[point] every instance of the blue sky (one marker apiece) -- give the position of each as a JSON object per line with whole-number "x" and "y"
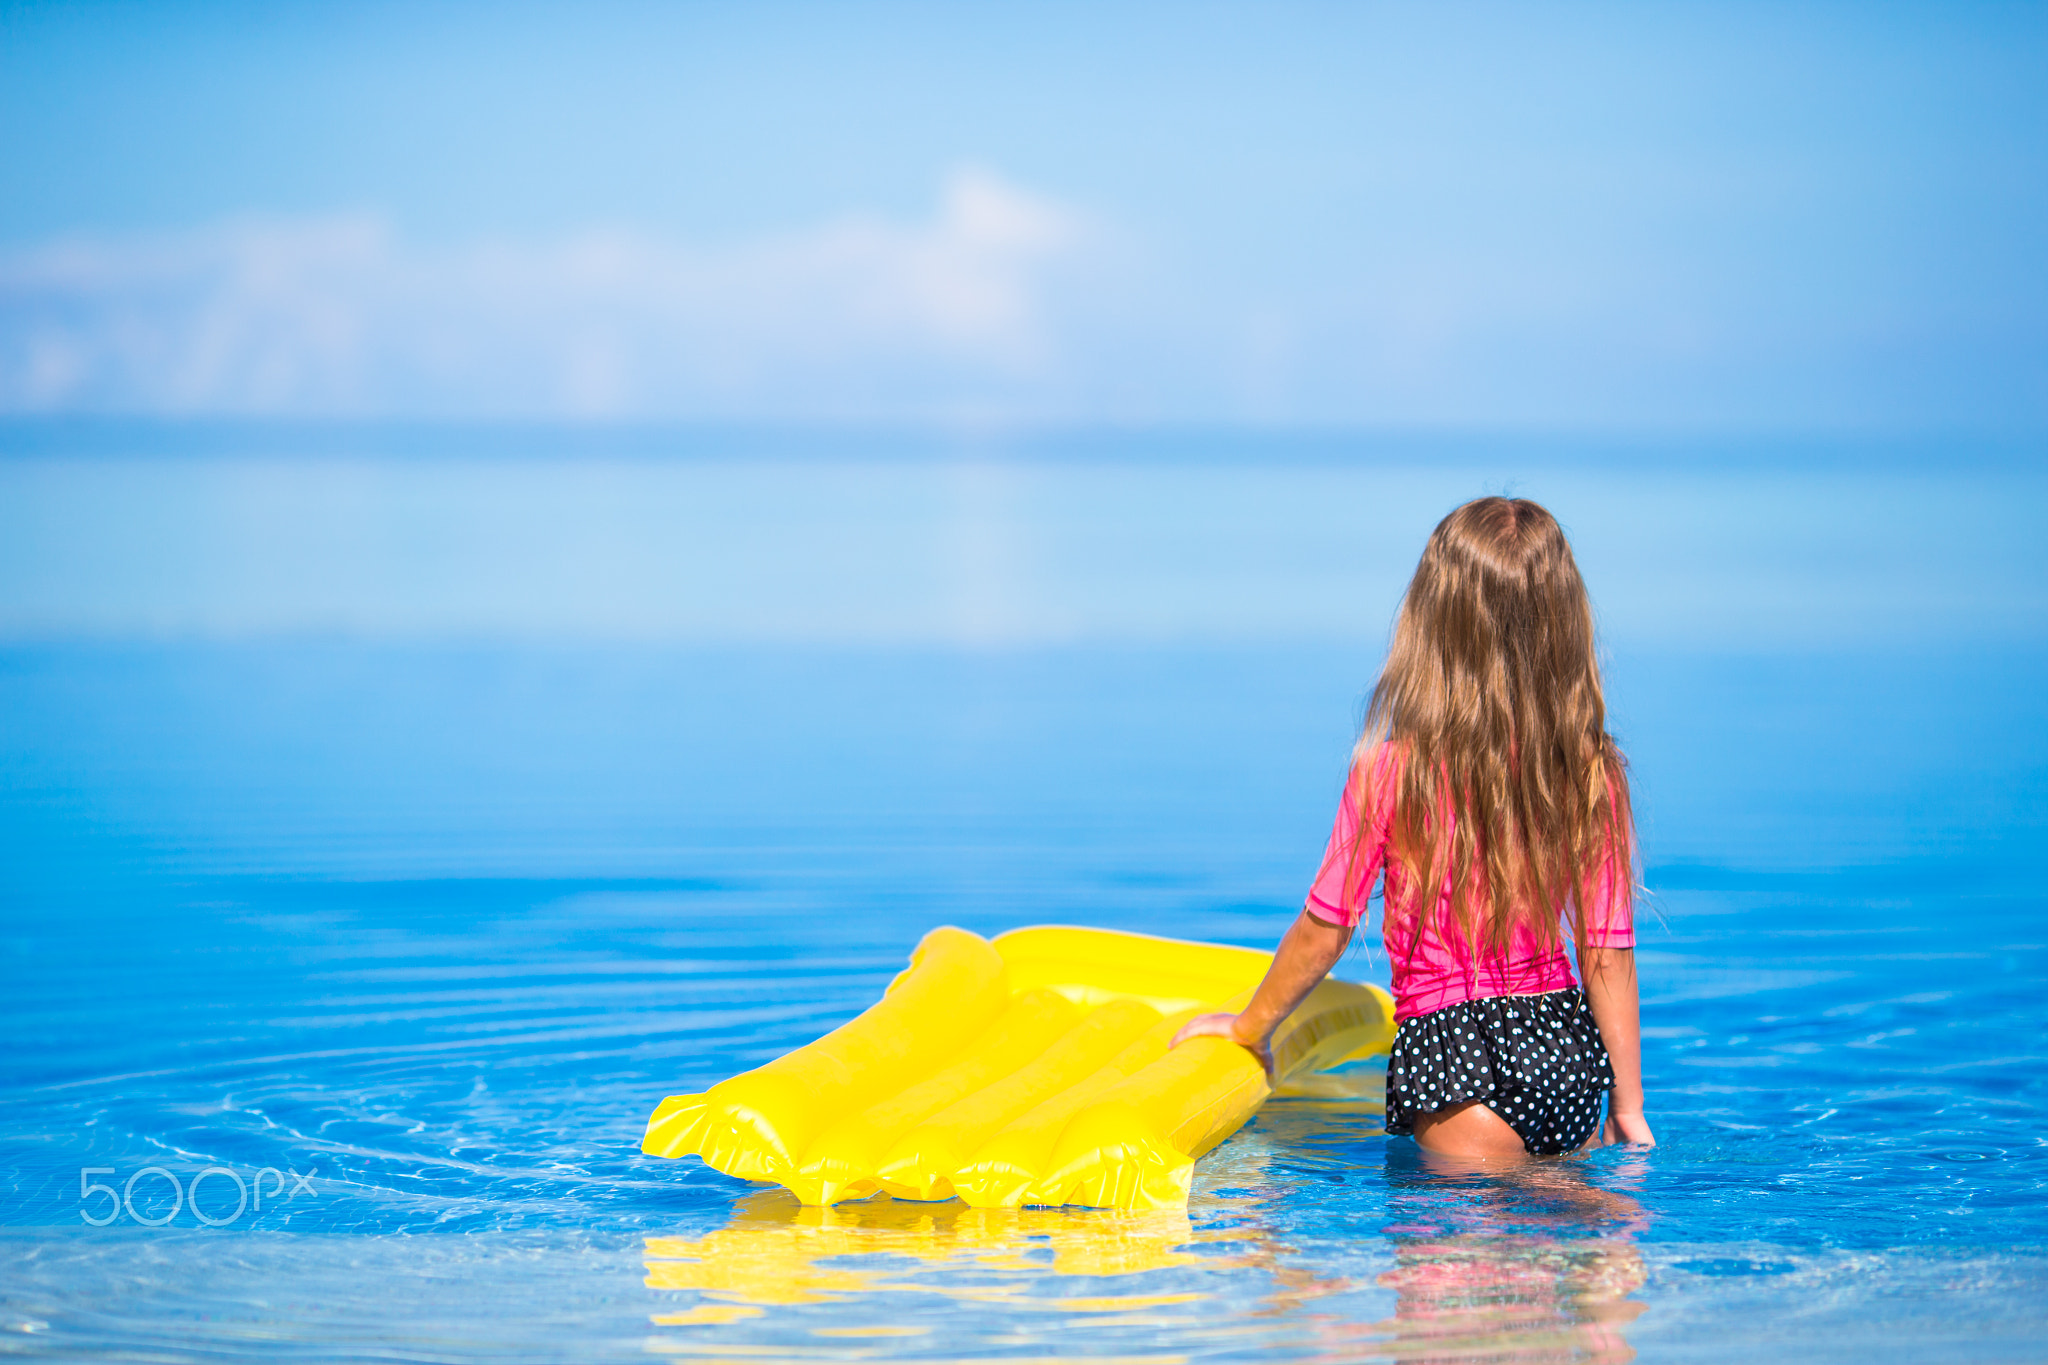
{"x": 1608, "y": 217}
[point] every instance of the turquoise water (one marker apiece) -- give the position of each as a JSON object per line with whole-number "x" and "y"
{"x": 426, "y": 926}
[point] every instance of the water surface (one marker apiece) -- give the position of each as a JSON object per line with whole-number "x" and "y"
{"x": 424, "y": 927}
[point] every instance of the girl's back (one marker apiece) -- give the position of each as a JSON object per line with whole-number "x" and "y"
{"x": 1434, "y": 962}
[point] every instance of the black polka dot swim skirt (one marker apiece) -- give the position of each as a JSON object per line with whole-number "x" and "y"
{"x": 1536, "y": 1060}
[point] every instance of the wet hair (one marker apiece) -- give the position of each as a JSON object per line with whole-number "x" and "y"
{"x": 1491, "y": 696}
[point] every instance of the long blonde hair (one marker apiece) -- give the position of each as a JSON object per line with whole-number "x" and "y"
{"x": 1491, "y": 695}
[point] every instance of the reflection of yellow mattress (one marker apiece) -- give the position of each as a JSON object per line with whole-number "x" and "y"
{"x": 776, "y": 1252}
{"x": 1028, "y": 1070}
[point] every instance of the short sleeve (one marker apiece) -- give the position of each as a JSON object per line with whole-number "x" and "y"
{"x": 1610, "y": 919}
{"x": 1357, "y": 851}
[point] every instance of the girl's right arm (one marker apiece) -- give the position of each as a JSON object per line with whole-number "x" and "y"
{"x": 1310, "y": 948}
{"x": 1611, "y": 990}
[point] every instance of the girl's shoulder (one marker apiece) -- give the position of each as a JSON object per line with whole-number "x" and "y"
{"x": 1378, "y": 760}
{"x": 1376, "y": 771}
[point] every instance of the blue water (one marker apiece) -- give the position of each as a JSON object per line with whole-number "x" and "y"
{"x": 426, "y": 926}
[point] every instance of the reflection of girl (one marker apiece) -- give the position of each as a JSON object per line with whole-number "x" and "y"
{"x": 1503, "y": 1299}
{"x": 1490, "y": 794}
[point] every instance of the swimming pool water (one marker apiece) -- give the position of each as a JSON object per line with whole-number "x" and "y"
{"x": 426, "y": 930}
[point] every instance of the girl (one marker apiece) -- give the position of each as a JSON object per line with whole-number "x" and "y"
{"x": 1490, "y": 794}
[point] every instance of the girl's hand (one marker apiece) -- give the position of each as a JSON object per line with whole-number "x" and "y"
{"x": 1633, "y": 1128}
{"x": 1226, "y": 1026}
{"x": 1307, "y": 952}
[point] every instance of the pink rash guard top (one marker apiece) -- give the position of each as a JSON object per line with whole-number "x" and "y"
{"x": 1438, "y": 967}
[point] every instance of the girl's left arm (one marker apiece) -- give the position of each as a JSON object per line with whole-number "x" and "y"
{"x": 1611, "y": 990}
{"x": 1307, "y": 952}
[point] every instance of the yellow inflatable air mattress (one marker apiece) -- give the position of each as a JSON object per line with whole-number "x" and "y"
{"x": 1028, "y": 1069}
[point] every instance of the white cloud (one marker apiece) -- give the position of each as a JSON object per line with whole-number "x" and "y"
{"x": 340, "y": 315}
